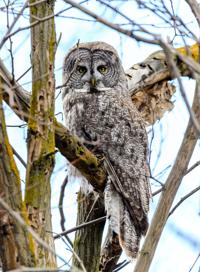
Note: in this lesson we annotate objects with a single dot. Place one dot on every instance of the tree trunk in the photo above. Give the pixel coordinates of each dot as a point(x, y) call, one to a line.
point(16, 246)
point(41, 142)
point(87, 243)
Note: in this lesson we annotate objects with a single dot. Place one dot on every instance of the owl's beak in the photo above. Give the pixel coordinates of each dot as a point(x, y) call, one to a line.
point(93, 82)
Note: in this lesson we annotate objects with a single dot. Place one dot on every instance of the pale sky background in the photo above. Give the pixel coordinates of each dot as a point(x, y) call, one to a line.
point(180, 242)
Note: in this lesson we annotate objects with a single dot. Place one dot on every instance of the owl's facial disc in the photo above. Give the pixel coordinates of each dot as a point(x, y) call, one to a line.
point(92, 70)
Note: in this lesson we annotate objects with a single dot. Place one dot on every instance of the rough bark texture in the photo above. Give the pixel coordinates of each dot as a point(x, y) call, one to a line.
point(87, 244)
point(41, 142)
point(16, 246)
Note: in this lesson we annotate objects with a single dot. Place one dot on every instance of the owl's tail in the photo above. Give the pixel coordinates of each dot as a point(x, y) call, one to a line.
point(120, 222)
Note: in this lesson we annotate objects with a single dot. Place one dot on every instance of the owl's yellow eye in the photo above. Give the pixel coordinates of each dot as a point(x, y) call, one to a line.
point(102, 69)
point(81, 69)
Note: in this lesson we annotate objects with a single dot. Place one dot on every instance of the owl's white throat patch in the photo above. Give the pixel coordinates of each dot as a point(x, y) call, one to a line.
point(92, 90)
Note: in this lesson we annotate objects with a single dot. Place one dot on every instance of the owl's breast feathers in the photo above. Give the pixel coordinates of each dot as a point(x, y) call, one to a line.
point(112, 121)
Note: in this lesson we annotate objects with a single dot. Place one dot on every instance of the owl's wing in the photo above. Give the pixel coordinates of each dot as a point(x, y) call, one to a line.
point(138, 215)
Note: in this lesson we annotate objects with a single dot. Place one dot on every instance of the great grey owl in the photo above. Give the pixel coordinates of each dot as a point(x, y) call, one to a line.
point(98, 109)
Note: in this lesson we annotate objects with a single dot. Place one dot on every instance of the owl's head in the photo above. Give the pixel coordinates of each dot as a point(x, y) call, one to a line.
point(93, 67)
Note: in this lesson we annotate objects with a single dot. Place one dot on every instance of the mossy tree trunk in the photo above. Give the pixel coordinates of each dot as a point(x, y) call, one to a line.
point(41, 142)
point(87, 243)
point(16, 246)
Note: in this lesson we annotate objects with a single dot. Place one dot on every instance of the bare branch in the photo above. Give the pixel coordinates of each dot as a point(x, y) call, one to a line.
point(183, 199)
point(195, 9)
point(60, 205)
point(19, 157)
point(176, 74)
point(38, 20)
point(116, 27)
point(95, 221)
point(118, 268)
point(193, 166)
point(194, 262)
point(6, 36)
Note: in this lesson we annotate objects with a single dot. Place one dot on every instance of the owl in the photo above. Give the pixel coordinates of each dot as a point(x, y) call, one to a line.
point(98, 109)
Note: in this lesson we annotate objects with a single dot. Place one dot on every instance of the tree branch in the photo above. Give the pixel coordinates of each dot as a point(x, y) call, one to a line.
point(83, 225)
point(195, 9)
point(112, 25)
point(6, 36)
point(183, 199)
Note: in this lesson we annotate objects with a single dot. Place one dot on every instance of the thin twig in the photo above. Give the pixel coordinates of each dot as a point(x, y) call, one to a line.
point(6, 36)
point(91, 209)
point(111, 25)
point(183, 199)
point(188, 171)
point(78, 259)
point(20, 77)
point(192, 167)
point(157, 192)
point(36, 3)
point(118, 268)
point(195, 9)
point(38, 21)
point(95, 221)
point(177, 74)
point(194, 262)
point(11, 44)
point(62, 194)
point(19, 157)
point(62, 215)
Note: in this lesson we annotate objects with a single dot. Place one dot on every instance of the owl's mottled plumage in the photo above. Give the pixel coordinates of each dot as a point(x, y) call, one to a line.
point(98, 109)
